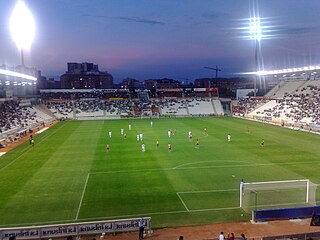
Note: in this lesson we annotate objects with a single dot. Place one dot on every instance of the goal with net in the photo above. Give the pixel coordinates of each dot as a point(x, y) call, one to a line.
point(277, 194)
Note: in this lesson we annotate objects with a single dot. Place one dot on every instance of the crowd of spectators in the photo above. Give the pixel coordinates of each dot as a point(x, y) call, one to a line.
point(89, 106)
point(247, 105)
point(300, 106)
point(124, 107)
point(172, 106)
point(47, 96)
point(303, 106)
point(14, 116)
point(61, 108)
point(118, 107)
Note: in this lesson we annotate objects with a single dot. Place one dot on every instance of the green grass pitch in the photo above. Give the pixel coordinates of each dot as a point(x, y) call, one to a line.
point(68, 176)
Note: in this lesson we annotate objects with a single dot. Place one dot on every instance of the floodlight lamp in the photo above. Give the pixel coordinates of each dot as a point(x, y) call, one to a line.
point(22, 26)
point(255, 28)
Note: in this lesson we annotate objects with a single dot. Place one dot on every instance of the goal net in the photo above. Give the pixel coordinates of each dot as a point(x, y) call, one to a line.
point(277, 194)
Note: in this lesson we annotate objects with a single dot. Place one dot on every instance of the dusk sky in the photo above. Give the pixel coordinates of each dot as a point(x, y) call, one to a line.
point(163, 38)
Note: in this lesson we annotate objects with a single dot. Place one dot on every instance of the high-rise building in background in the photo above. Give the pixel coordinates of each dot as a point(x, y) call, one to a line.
point(85, 76)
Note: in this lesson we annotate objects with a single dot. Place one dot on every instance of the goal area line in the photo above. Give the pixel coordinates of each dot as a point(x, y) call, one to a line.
point(206, 191)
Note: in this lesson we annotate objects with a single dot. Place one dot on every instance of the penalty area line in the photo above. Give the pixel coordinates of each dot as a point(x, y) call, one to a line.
point(183, 203)
point(158, 213)
point(81, 200)
point(214, 209)
point(209, 191)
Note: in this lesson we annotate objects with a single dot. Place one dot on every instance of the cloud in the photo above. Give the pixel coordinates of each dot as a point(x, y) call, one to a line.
point(140, 20)
point(126, 19)
point(296, 30)
point(93, 16)
point(86, 15)
point(215, 15)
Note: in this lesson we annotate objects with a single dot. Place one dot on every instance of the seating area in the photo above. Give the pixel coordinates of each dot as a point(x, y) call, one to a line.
point(285, 88)
point(97, 108)
point(118, 108)
point(297, 105)
point(61, 109)
point(14, 116)
point(88, 108)
point(200, 106)
point(64, 105)
point(173, 107)
point(218, 107)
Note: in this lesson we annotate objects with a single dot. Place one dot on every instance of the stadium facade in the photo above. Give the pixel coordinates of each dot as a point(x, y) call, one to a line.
point(19, 81)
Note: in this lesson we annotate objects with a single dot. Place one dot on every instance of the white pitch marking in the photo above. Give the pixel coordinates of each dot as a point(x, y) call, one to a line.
point(207, 191)
point(214, 209)
point(193, 163)
point(84, 189)
point(119, 216)
point(158, 213)
point(185, 206)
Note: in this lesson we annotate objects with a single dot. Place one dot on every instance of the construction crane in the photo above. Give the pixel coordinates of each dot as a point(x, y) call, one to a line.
point(215, 69)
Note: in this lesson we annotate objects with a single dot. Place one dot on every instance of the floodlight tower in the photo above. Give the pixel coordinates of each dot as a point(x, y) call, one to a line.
point(22, 27)
point(256, 34)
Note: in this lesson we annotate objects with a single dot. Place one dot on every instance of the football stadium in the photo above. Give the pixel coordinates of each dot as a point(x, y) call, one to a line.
point(93, 159)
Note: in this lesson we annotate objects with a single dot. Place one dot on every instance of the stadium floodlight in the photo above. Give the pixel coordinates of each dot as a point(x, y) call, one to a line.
point(256, 35)
point(286, 70)
point(22, 27)
point(16, 74)
point(255, 29)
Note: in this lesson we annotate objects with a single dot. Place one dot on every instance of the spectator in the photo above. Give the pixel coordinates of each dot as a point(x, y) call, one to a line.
point(221, 236)
point(231, 236)
point(243, 237)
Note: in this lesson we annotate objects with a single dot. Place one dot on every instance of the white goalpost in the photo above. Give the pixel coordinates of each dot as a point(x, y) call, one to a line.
point(277, 194)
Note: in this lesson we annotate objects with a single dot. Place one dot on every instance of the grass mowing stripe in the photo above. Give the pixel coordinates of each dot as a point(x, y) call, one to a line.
point(206, 167)
point(54, 183)
point(157, 213)
point(29, 148)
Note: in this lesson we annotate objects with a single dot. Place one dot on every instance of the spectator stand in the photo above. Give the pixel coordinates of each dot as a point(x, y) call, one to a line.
point(296, 106)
